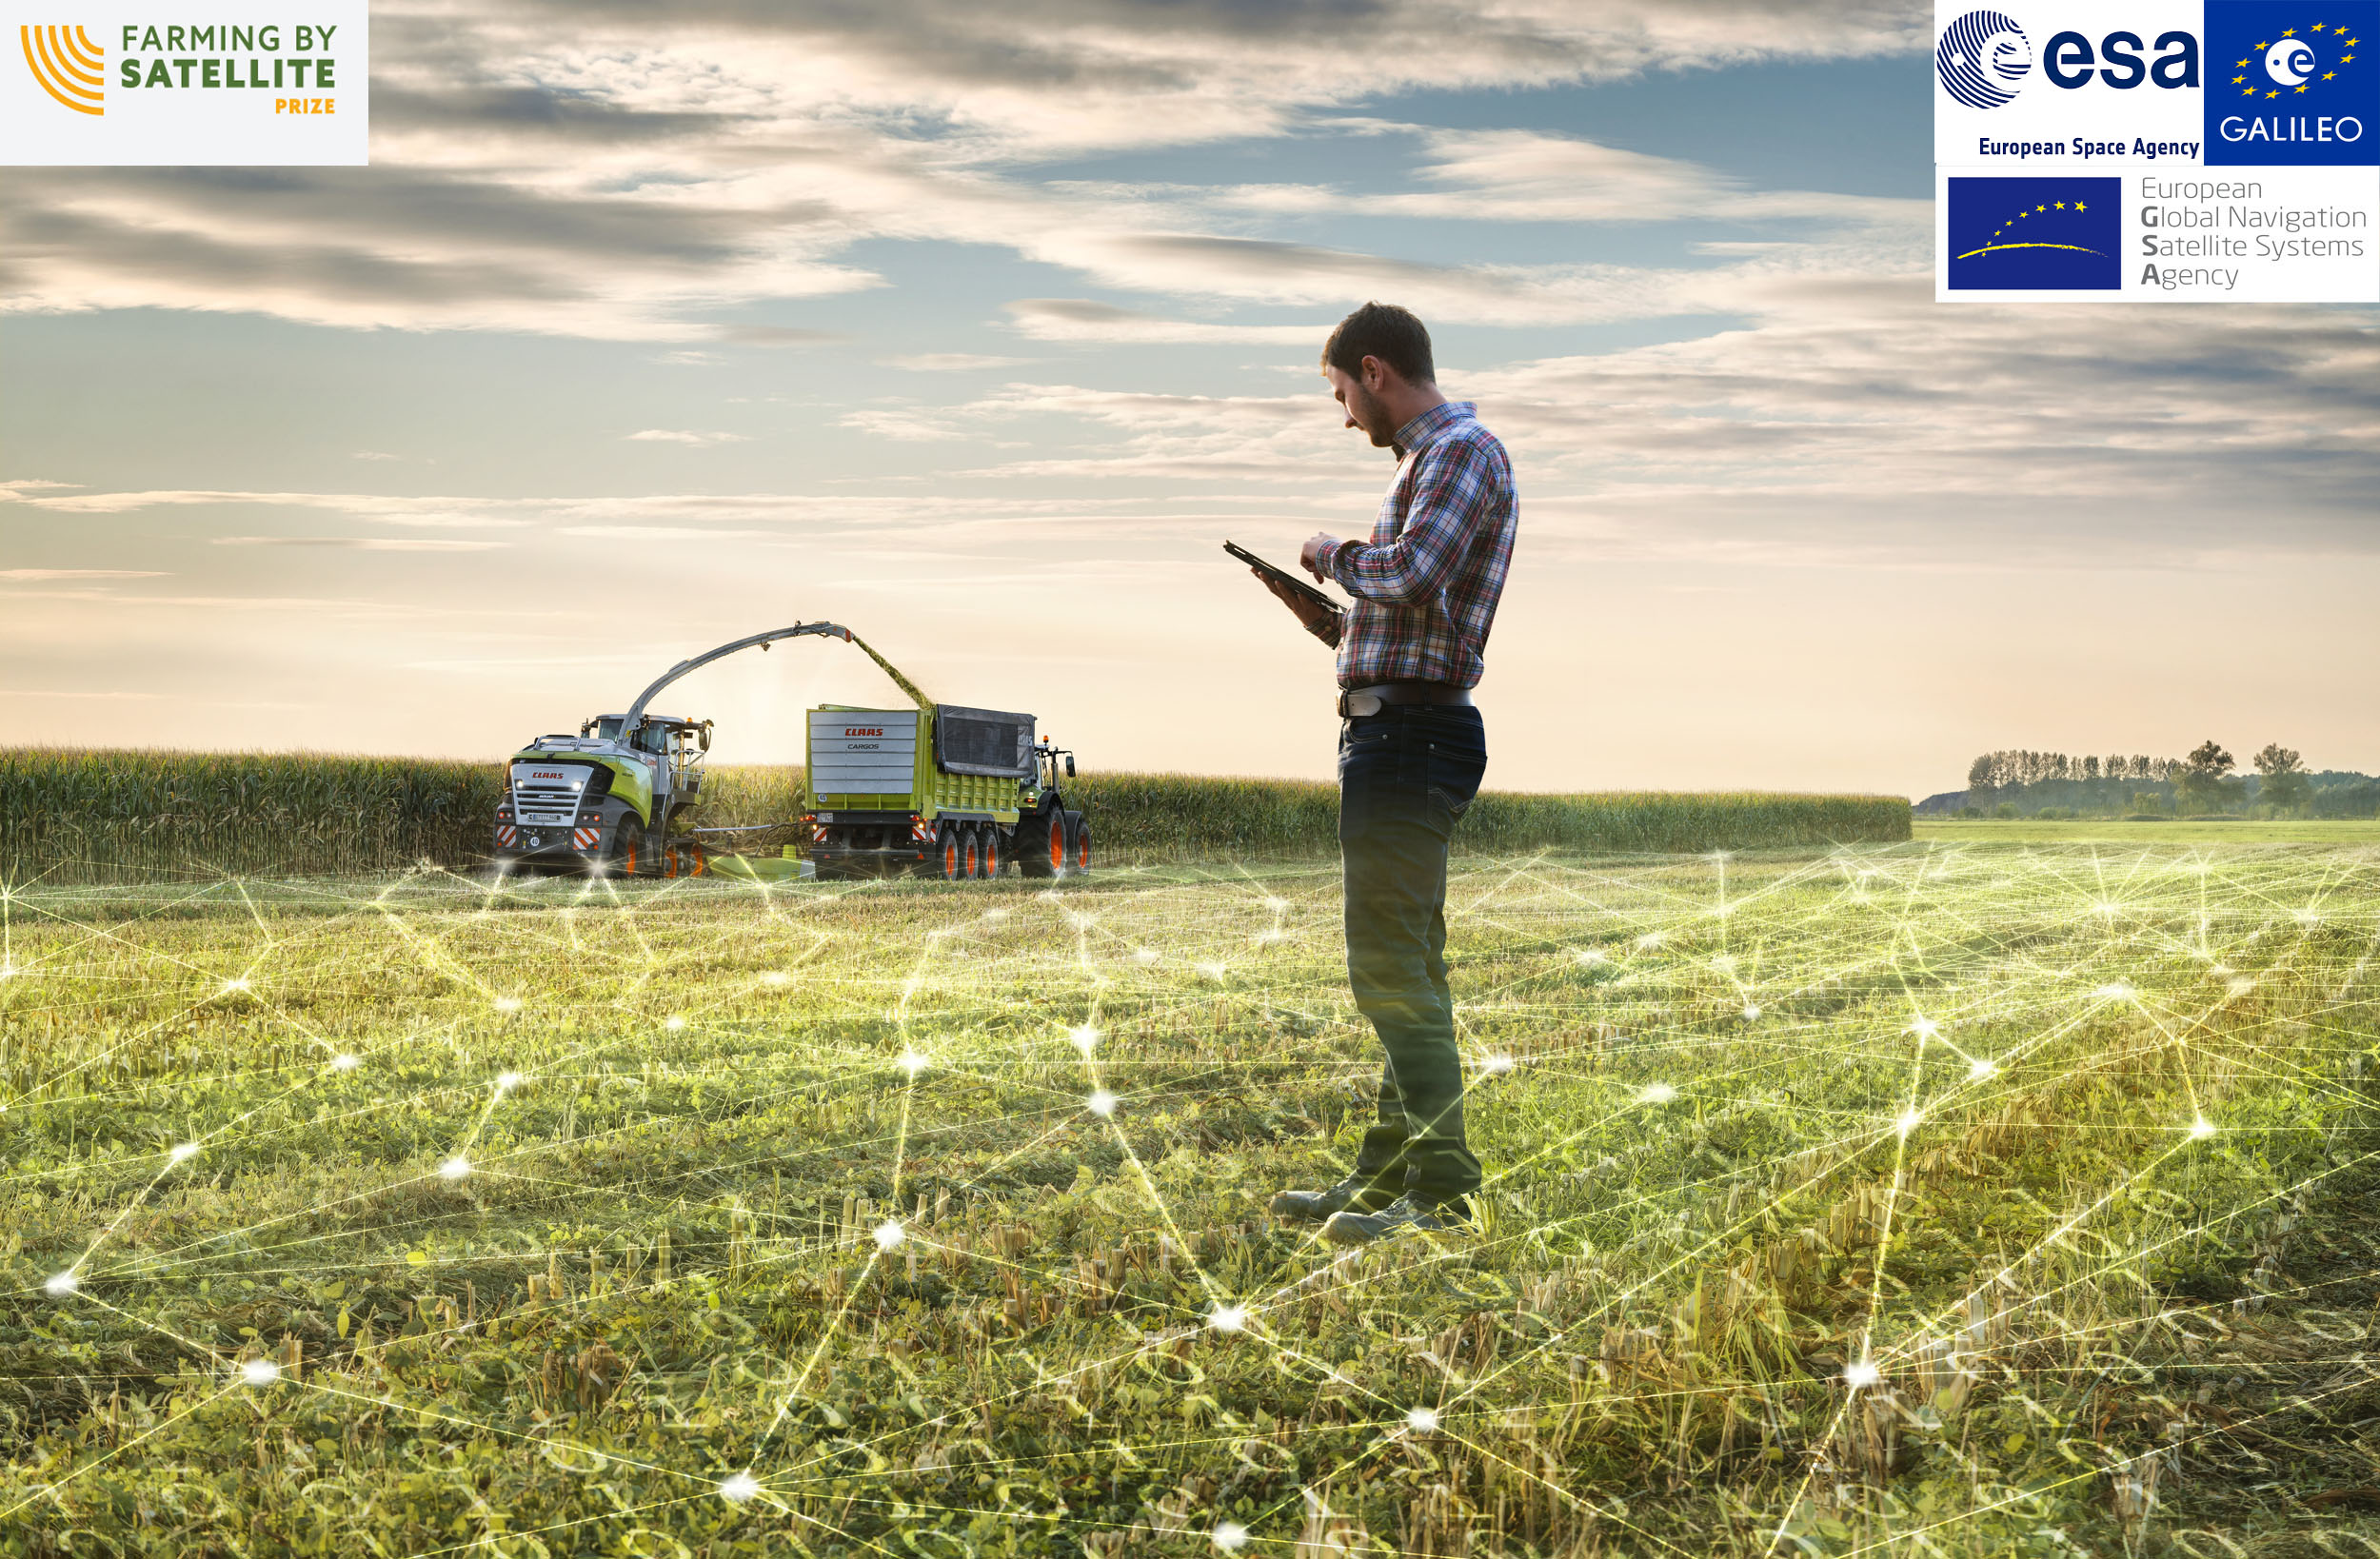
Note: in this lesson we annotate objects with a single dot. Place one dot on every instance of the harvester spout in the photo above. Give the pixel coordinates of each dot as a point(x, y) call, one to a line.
point(636, 711)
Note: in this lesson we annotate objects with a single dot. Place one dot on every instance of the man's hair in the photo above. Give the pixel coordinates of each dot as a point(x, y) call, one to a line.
point(1387, 332)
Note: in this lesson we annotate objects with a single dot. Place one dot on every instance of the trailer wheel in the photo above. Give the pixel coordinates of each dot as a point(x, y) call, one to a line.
point(1042, 843)
point(1081, 844)
point(954, 863)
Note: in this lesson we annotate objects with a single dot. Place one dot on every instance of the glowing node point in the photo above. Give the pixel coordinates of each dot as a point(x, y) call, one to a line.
point(1276, 906)
point(912, 1062)
point(182, 1151)
point(1861, 1373)
point(455, 1167)
point(889, 1233)
point(233, 987)
point(2240, 986)
point(2202, 1127)
point(1656, 1094)
point(1101, 1102)
point(507, 1082)
point(1982, 1067)
point(994, 917)
point(773, 977)
point(1085, 1038)
point(1145, 955)
point(1592, 956)
point(1909, 1121)
point(1228, 1317)
point(739, 1489)
point(1724, 964)
point(1496, 1065)
point(674, 1023)
point(260, 1371)
point(1752, 1012)
point(2103, 908)
point(1231, 1537)
point(8, 971)
point(61, 1285)
point(508, 1004)
point(1925, 1028)
point(1651, 938)
point(2114, 991)
point(1212, 971)
point(1422, 1420)
point(345, 1064)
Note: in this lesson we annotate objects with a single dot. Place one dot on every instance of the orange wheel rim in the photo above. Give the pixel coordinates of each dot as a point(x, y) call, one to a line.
point(950, 858)
point(1056, 843)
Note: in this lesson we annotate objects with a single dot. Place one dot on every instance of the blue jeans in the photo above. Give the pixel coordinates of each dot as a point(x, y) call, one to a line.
point(1406, 776)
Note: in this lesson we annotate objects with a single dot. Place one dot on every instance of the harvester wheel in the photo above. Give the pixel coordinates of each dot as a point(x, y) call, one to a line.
point(630, 852)
point(991, 850)
point(954, 863)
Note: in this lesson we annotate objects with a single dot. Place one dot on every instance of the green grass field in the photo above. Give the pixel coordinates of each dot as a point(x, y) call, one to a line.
point(1966, 1196)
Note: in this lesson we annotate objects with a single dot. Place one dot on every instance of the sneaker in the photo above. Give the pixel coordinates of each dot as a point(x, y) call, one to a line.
point(1452, 1216)
point(1354, 1193)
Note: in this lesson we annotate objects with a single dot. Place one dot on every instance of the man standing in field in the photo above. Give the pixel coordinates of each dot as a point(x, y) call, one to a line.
point(1411, 752)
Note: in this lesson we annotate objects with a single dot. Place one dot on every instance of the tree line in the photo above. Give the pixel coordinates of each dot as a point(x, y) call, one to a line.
point(2204, 781)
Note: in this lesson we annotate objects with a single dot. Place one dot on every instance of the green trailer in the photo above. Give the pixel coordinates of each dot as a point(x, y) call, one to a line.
point(940, 789)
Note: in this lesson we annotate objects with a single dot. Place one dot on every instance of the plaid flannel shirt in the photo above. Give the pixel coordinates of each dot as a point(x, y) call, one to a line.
point(1427, 583)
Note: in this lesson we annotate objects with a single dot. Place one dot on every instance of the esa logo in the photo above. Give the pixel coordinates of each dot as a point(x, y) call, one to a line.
point(1984, 56)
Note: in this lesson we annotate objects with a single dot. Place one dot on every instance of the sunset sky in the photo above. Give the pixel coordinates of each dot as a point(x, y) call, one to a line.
point(979, 329)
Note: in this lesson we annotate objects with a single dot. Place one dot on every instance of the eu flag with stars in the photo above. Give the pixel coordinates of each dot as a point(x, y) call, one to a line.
point(2042, 234)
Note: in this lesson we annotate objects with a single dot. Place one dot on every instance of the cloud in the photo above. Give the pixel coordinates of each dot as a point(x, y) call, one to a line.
point(28, 485)
point(951, 362)
point(772, 335)
point(82, 574)
point(902, 426)
point(373, 454)
point(1081, 319)
point(361, 543)
point(670, 434)
point(668, 533)
point(577, 169)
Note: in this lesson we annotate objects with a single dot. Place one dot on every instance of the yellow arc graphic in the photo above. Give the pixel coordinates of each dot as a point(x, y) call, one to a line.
point(69, 66)
point(1990, 249)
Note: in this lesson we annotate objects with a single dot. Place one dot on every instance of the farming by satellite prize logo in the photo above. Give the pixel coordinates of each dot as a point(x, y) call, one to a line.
point(2290, 85)
point(123, 88)
point(2036, 235)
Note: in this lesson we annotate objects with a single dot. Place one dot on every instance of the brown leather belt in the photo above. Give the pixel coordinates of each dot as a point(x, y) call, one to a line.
point(1357, 701)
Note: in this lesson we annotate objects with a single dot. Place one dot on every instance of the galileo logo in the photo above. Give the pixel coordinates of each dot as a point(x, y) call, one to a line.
point(69, 66)
point(2029, 235)
point(1982, 59)
point(2292, 88)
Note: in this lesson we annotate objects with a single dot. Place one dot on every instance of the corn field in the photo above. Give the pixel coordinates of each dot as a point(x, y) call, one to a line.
point(98, 815)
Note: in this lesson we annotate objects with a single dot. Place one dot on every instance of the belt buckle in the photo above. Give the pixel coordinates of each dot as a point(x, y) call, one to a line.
point(1356, 706)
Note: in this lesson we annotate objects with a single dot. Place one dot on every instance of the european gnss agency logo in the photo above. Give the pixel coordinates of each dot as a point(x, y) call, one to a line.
point(2288, 84)
point(1982, 59)
point(2048, 234)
